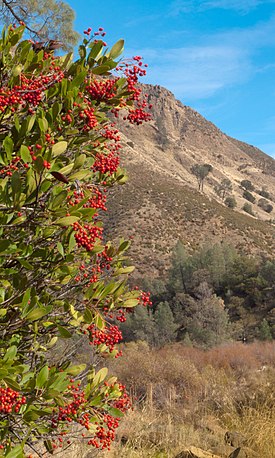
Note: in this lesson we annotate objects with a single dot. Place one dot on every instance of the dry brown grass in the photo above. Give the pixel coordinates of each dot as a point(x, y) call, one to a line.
point(185, 396)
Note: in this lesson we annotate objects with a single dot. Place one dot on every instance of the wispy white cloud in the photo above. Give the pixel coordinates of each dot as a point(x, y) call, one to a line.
point(242, 6)
point(197, 71)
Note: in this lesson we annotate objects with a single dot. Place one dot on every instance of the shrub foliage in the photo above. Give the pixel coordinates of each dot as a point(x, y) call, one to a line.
point(60, 279)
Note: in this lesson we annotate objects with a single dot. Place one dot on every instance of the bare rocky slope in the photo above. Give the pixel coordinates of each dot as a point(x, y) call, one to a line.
point(161, 202)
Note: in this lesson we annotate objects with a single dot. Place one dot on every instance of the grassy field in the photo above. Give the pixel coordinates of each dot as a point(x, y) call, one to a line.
point(188, 397)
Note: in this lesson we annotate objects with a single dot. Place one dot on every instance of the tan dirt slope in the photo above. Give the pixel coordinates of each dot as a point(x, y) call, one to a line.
point(161, 203)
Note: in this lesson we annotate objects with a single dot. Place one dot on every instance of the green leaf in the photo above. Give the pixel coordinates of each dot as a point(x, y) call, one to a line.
point(26, 298)
point(79, 79)
point(43, 124)
point(88, 315)
point(33, 414)
point(58, 199)
point(96, 49)
point(80, 175)
point(64, 332)
point(49, 446)
point(115, 412)
point(60, 249)
point(14, 39)
point(79, 161)
point(100, 376)
point(8, 146)
point(76, 370)
point(130, 303)
point(12, 384)
point(59, 148)
point(15, 452)
point(10, 353)
point(117, 49)
point(25, 154)
point(124, 270)
point(26, 264)
point(42, 377)
point(37, 313)
point(99, 322)
point(100, 70)
point(31, 121)
point(16, 187)
point(67, 220)
point(4, 244)
point(72, 242)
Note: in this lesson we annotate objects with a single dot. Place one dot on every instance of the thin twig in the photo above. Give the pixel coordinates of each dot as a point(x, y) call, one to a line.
point(15, 15)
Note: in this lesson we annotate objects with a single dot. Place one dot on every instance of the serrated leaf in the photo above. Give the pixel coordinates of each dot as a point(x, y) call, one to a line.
point(88, 316)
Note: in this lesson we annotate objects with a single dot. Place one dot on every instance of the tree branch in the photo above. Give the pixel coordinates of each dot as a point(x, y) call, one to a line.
point(15, 15)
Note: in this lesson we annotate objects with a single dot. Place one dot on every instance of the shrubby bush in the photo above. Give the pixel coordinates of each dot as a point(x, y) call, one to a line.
point(248, 209)
point(60, 278)
point(265, 205)
point(248, 196)
point(246, 184)
point(230, 202)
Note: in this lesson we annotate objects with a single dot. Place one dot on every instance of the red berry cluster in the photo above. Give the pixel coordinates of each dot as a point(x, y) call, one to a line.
point(29, 91)
point(12, 167)
point(97, 200)
point(89, 118)
point(121, 316)
point(10, 401)
point(144, 299)
point(106, 164)
point(124, 402)
point(87, 235)
point(102, 90)
point(110, 336)
point(99, 32)
point(132, 72)
point(104, 436)
point(73, 410)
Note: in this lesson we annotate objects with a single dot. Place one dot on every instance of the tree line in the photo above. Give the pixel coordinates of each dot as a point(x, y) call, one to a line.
point(210, 297)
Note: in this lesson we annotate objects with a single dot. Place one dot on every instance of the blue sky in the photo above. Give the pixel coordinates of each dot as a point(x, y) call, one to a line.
point(217, 56)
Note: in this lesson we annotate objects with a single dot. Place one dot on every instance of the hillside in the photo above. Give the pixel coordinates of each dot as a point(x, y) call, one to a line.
point(161, 202)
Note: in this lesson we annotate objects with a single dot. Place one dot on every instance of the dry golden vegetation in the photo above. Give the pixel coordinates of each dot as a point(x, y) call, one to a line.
point(189, 397)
